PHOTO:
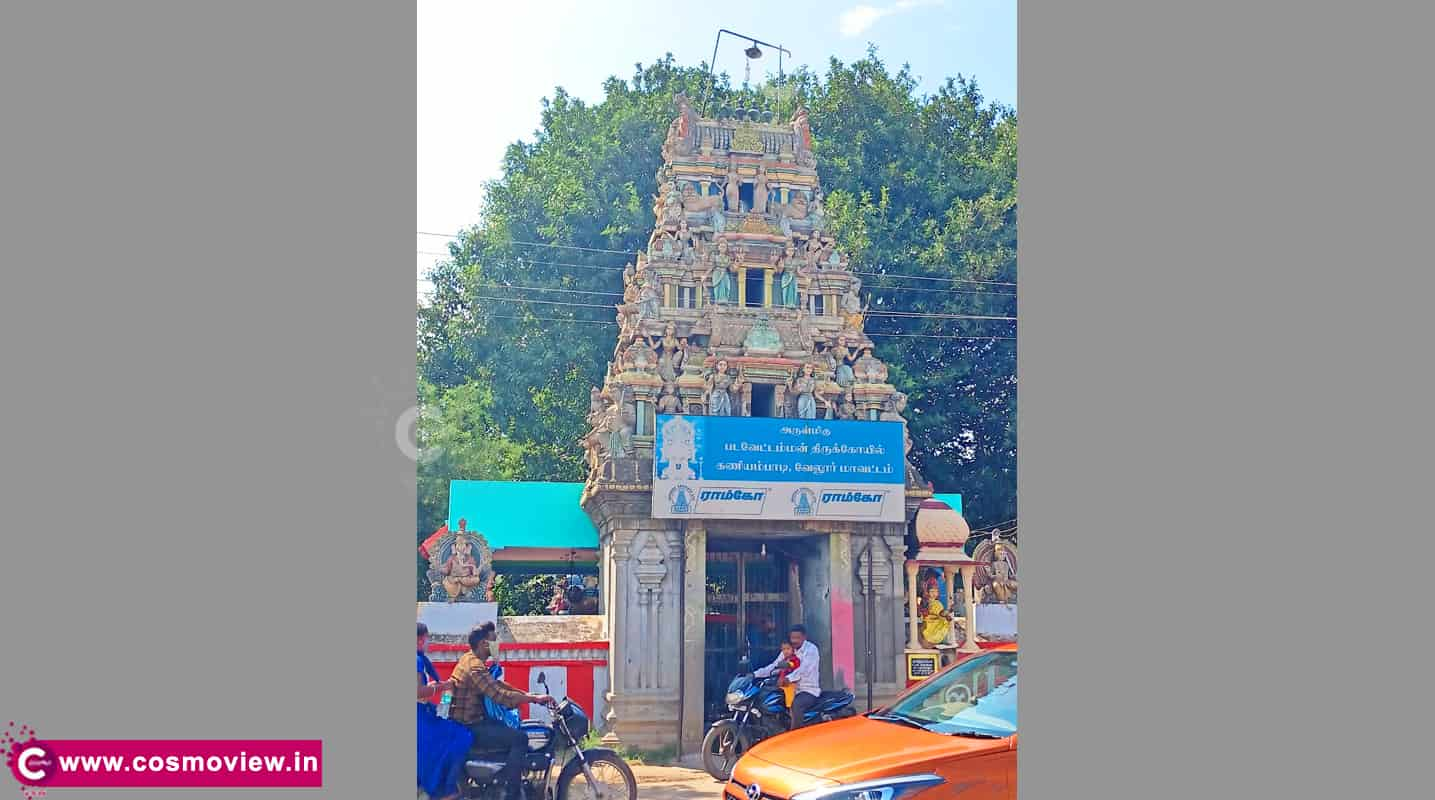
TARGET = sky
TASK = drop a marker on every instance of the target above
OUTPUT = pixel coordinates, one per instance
(485, 65)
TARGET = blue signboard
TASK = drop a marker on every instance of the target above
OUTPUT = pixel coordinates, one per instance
(777, 468)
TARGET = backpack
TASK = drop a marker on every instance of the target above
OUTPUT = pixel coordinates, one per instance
(504, 714)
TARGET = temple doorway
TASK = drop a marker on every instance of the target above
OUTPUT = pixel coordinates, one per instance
(750, 604)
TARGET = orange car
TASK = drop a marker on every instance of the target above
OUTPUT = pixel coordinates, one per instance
(950, 736)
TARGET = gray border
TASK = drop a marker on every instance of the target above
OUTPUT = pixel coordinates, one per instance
(1222, 209)
(207, 320)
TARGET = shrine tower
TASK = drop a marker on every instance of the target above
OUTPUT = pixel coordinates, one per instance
(740, 306)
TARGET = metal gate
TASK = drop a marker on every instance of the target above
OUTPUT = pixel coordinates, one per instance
(750, 601)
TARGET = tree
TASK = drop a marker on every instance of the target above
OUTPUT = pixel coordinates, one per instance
(915, 185)
(457, 440)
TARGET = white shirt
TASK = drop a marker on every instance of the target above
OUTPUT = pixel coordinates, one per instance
(805, 677)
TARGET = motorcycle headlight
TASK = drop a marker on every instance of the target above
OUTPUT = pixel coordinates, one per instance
(880, 789)
(734, 698)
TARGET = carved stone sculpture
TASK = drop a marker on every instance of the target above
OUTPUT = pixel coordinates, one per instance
(695, 203)
(804, 386)
(724, 287)
(761, 339)
(669, 402)
(720, 388)
(732, 192)
(760, 192)
(786, 285)
(668, 352)
(648, 300)
(869, 369)
(460, 567)
(844, 356)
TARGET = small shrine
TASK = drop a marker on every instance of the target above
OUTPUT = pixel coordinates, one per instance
(946, 621)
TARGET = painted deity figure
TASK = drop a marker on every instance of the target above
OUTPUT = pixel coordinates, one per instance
(724, 287)
(814, 210)
(936, 619)
(460, 571)
(721, 386)
(868, 369)
(848, 409)
(852, 302)
(804, 386)
(813, 253)
(1002, 584)
(786, 284)
(669, 403)
(802, 131)
(648, 300)
(732, 192)
(844, 356)
(760, 192)
(667, 348)
(620, 437)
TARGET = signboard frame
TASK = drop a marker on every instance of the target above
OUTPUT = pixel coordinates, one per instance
(775, 468)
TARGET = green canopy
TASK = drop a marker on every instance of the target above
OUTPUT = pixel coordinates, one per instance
(952, 500)
(522, 514)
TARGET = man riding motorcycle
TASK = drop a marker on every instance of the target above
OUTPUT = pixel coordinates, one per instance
(471, 684)
(805, 677)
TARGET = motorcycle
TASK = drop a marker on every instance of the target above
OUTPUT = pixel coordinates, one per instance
(759, 711)
(591, 774)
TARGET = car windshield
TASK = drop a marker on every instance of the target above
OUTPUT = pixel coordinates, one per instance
(975, 698)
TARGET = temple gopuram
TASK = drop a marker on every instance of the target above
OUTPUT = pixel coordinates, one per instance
(740, 306)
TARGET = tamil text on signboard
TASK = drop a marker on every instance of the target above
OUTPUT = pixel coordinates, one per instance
(767, 468)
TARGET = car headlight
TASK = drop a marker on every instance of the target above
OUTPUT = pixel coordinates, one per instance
(880, 789)
(733, 698)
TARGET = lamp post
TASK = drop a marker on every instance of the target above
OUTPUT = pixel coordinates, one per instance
(753, 52)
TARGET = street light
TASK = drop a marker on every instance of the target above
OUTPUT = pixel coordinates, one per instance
(753, 52)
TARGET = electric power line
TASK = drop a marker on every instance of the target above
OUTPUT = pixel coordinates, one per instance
(541, 244)
(869, 333)
(634, 252)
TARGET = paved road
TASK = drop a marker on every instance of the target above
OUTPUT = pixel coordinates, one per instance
(675, 783)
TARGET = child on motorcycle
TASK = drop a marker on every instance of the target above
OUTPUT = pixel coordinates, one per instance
(790, 662)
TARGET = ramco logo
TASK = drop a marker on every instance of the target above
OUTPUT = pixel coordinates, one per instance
(729, 494)
(850, 497)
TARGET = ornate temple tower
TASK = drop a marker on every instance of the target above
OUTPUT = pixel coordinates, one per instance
(741, 305)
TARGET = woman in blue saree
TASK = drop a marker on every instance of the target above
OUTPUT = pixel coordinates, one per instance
(442, 743)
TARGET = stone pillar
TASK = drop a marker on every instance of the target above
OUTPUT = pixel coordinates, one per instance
(912, 641)
(840, 650)
(646, 637)
(949, 575)
(695, 549)
(969, 645)
(617, 550)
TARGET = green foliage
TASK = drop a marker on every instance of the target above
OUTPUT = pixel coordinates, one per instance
(457, 439)
(523, 595)
(915, 185)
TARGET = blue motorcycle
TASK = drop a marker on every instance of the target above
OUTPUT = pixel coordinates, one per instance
(759, 711)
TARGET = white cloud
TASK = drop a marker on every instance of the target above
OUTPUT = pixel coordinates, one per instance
(857, 20)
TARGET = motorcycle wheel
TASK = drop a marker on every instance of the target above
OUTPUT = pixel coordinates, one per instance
(613, 779)
(723, 745)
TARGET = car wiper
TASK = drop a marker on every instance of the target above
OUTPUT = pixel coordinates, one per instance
(899, 719)
(974, 735)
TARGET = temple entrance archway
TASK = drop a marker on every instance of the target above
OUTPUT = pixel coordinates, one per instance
(750, 604)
